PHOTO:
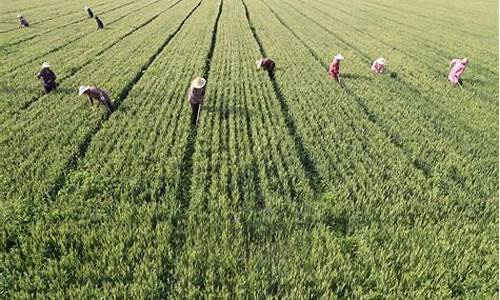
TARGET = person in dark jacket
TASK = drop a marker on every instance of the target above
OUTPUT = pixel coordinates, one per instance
(89, 12)
(22, 21)
(47, 77)
(98, 94)
(100, 25)
(266, 64)
(196, 92)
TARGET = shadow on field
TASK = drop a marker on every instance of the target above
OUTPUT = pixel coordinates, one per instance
(356, 76)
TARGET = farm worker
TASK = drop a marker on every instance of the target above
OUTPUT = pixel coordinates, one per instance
(96, 93)
(100, 25)
(196, 92)
(47, 77)
(334, 69)
(89, 12)
(22, 21)
(378, 65)
(457, 69)
(266, 64)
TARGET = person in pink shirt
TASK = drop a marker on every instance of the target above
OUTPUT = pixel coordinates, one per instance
(378, 65)
(457, 69)
(334, 69)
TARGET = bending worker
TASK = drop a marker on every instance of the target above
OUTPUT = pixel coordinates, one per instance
(196, 92)
(98, 94)
(22, 21)
(89, 12)
(48, 78)
(266, 64)
(457, 69)
(334, 69)
(100, 25)
(378, 65)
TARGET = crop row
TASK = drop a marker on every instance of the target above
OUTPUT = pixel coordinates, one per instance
(22, 89)
(415, 120)
(110, 225)
(245, 165)
(376, 187)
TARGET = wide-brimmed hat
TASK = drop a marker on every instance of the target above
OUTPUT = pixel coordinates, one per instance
(258, 63)
(19, 15)
(198, 82)
(465, 60)
(83, 89)
(380, 61)
(338, 57)
(86, 7)
(45, 65)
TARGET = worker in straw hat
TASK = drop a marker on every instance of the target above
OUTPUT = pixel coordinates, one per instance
(98, 94)
(89, 12)
(458, 66)
(196, 92)
(266, 64)
(334, 69)
(22, 21)
(378, 65)
(47, 77)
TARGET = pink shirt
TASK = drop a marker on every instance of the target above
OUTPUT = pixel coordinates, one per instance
(377, 68)
(334, 69)
(457, 69)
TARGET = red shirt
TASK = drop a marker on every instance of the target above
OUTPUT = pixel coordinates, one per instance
(334, 69)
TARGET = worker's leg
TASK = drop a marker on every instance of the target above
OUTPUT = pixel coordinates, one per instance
(194, 113)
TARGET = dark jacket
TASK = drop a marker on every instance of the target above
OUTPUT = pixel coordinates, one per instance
(90, 13)
(195, 96)
(48, 77)
(268, 65)
(23, 22)
(100, 25)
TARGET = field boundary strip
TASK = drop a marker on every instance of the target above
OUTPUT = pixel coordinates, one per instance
(183, 192)
(306, 159)
(83, 146)
(98, 54)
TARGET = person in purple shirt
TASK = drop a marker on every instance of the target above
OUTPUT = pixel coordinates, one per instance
(196, 92)
(458, 66)
(47, 77)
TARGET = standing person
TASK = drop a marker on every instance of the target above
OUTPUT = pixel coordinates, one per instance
(48, 78)
(266, 64)
(334, 69)
(89, 12)
(100, 25)
(98, 94)
(378, 65)
(22, 21)
(196, 92)
(458, 66)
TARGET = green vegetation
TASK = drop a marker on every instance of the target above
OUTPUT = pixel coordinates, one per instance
(292, 187)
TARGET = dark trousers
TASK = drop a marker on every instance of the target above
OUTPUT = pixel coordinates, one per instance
(48, 87)
(194, 113)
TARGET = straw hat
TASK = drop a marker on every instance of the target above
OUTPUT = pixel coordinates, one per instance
(83, 89)
(465, 60)
(18, 16)
(380, 61)
(198, 83)
(258, 63)
(338, 57)
(45, 65)
(86, 7)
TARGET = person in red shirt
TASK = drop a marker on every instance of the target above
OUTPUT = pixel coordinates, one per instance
(334, 69)
(266, 64)
(98, 94)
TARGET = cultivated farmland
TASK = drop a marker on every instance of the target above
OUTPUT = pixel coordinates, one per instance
(291, 186)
